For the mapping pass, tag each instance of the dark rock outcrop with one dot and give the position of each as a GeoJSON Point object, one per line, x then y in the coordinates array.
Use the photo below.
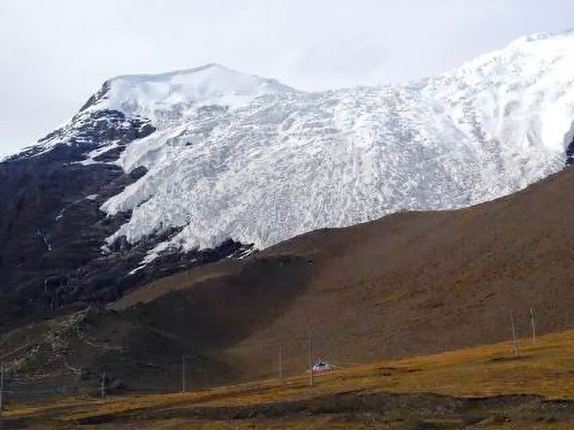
{"type": "Point", "coordinates": [52, 230]}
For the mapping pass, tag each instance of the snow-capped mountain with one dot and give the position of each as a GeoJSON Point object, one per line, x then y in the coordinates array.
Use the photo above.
{"type": "Point", "coordinates": [228, 155]}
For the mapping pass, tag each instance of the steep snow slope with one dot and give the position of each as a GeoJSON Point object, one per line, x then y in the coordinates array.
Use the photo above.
{"type": "Point", "coordinates": [521, 97]}
{"type": "Point", "coordinates": [242, 157]}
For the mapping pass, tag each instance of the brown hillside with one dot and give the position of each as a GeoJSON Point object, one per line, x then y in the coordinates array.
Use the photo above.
{"type": "Point", "coordinates": [410, 283]}
{"type": "Point", "coordinates": [407, 284]}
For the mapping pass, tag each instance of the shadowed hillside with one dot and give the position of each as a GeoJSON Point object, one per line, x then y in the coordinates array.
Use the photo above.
{"type": "Point", "coordinates": [407, 284]}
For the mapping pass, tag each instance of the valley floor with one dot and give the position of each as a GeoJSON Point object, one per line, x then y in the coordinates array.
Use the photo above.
{"type": "Point", "coordinates": [487, 387]}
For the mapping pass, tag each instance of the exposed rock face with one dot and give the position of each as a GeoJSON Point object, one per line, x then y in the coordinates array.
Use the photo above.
{"type": "Point", "coordinates": [86, 132]}
{"type": "Point", "coordinates": [52, 230]}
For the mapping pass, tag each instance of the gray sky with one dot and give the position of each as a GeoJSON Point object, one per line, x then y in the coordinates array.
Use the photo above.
{"type": "Point", "coordinates": [56, 53]}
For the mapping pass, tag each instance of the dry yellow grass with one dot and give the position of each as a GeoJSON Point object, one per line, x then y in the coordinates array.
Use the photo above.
{"type": "Point", "coordinates": [546, 369]}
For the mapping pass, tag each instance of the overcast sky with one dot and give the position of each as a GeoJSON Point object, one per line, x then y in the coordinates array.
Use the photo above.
{"type": "Point", "coordinates": [55, 53]}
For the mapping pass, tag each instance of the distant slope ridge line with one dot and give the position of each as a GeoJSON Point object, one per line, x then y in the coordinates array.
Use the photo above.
{"type": "Point", "coordinates": [248, 158]}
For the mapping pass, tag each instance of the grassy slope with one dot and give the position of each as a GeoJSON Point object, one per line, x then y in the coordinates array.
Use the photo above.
{"type": "Point", "coordinates": [546, 369]}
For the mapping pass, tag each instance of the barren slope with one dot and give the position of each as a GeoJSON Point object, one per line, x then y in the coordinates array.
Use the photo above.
{"type": "Point", "coordinates": [407, 284]}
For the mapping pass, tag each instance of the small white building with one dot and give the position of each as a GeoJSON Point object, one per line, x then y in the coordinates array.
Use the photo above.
{"type": "Point", "coordinates": [322, 366]}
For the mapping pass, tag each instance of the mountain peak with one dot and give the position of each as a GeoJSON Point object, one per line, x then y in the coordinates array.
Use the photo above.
{"type": "Point", "coordinates": [175, 93]}
{"type": "Point", "coordinates": [213, 70]}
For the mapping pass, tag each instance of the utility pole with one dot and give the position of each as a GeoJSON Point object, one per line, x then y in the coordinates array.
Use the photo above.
{"type": "Point", "coordinates": [103, 385]}
{"type": "Point", "coordinates": [310, 359]}
{"type": "Point", "coordinates": [280, 362]}
{"type": "Point", "coordinates": [183, 373]}
{"type": "Point", "coordinates": [1, 393]}
{"type": "Point", "coordinates": [514, 339]}
{"type": "Point", "coordinates": [533, 322]}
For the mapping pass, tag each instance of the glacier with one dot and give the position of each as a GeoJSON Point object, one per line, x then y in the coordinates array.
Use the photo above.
{"type": "Point", "coordinates": [238, 156]}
